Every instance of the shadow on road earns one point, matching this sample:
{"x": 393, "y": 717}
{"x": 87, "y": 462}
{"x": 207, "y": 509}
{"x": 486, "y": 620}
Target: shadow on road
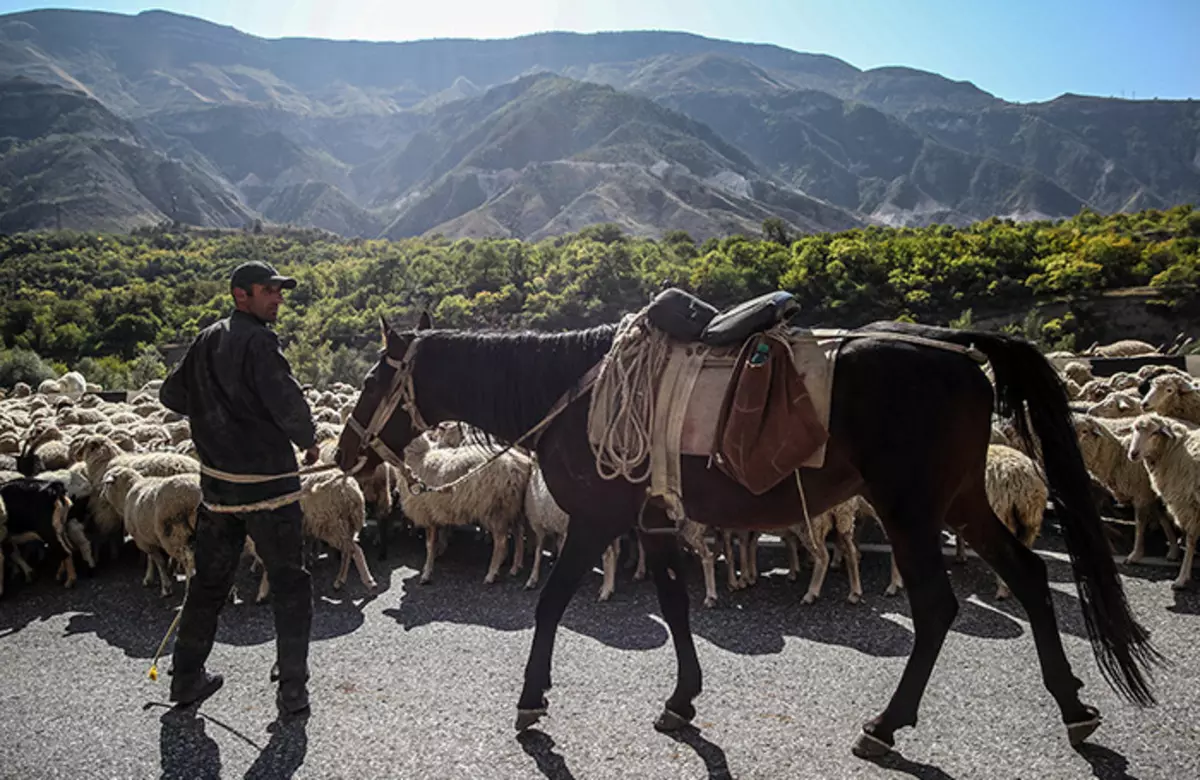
{"x": 186, "y": 751}
{"x": 284, "y": 753}
{"x": 1107, "y": 764}
{"x": 540, "y": 747}
{"x": 899, "y": 763}
{"x": 710, "y": 753}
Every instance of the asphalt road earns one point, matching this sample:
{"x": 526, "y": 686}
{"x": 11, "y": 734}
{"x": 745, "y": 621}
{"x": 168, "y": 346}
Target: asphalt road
{"x": 422, "y": 682}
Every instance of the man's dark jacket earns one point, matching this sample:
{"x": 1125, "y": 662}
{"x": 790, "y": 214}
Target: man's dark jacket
{"x": 245, "y": 408}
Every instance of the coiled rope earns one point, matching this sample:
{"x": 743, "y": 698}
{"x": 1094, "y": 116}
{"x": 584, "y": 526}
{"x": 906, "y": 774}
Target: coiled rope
{"x": 621, "y": 412}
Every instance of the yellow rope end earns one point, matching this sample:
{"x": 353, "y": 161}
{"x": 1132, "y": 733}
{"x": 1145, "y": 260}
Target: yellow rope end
{"x": 153, "y": 675}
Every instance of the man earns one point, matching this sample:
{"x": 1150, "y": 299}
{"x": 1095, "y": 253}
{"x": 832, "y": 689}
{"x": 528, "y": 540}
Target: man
{"x": 246, "y": 410}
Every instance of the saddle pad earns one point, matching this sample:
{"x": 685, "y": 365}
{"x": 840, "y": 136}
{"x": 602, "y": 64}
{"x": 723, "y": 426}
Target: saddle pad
{"x": 813, "y": 357}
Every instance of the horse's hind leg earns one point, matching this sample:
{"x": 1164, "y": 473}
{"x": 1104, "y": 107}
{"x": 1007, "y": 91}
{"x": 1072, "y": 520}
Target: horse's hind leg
{"x": 585, "y": 541}
{"x": 1025, "y": 574}
{"x": 915, "y": 533}
{"x": 662, "y": 553}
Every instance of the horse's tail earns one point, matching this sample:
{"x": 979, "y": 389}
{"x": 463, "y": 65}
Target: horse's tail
{"x": 1028, "y": 390}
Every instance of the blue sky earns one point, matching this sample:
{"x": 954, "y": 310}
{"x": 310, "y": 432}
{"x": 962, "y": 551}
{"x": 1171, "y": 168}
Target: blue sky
{"x": 1020, "y": 50}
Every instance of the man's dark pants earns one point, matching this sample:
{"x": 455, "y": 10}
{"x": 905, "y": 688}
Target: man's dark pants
{"x": 220, "y": 539}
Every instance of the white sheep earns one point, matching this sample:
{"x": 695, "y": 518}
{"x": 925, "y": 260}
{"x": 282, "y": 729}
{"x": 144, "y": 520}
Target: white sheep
{"x": 493, "y": 497}
{"x": 1119, "y": 403}
{"x": 21, "y": 390}
{"x": 1172, "y": 395}
{"x": 1170, "y": 451}
{"x": 841, "y": 519}
{"x": 160, "y": 514}
{"x": 334, "y": 512}
{"x": 547, "y": 519}
{"x": 1123, "y": 348}
{"x": 1105, "y": 453}
{"x": 1079, "y": 371}
{"x": 50, "y": 387}
{"x": 73, "y": 385}
{"x": 1017, "y": 494}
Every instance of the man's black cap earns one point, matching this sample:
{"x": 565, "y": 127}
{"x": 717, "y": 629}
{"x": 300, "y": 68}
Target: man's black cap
{"x": 258, "y": 272}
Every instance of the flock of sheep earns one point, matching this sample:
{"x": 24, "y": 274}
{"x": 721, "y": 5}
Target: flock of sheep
{"x": 80, "y": 475}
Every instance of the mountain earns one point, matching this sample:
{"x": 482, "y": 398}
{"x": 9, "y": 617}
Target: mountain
{"x": 112, "y": 116}
{"x": 66, "y": 159}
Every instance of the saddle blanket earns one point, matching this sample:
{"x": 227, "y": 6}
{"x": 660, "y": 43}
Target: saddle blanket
{"x": 814, "y": 354}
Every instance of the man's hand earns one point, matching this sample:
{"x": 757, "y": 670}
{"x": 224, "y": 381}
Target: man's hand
{"x": 311, "y": 455}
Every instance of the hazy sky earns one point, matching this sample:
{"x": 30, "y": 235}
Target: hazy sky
{"x": 1017, "y": 49}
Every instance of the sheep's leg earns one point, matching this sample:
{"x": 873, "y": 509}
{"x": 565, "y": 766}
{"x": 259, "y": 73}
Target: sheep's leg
{"x": 793, "y": 553}
{"x": 430, "y": 554}
{"x": 896, "y": 583}
{"x": 845, "y": 543}
{"x": 820, "y": 556}
{"x": 1189, "y": 553}
{"x": 19, "y": 559}
{"x": 79, "y": 538}
{"x": 744, "y": 557}
{"x": 360, "y": 563}
{"x": 735, "y": 582}
{"x": 343, "y": 569}
{"x": 148, "y": 578}
{"x": 69, "y": 565}
{"x": 835, "y": 560}
{"x": 609, "y": 562}
{"x": 535, "y": 572}
{"x": 518, "y": 548}
{"x": 639, "y": 573}
{"x": 960, "y": 552}
{"x": 693, "y": 534}
{"x": 165, "y": 580}
{"x": 1141, "y": 522}
{"x": 1168, "y": 527}
{"x": 264, "y": 587}
{"x": 499, "y": 551}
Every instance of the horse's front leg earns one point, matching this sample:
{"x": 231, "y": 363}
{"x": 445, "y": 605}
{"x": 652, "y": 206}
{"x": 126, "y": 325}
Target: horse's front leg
{"x": 662, "y": 554}
{"x": 586, "y": 539}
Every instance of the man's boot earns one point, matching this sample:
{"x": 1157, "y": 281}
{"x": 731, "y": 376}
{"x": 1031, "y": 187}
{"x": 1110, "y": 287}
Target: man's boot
{"x": 193, "y": 688}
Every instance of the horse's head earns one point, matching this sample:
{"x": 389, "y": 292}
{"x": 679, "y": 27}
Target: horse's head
{"x": 379, "y": 416}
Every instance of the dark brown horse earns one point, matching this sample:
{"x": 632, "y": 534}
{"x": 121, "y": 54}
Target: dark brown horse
{"x": 909, "y": 431}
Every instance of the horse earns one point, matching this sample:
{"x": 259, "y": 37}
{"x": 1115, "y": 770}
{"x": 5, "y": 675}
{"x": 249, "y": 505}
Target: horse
{"x": 908, "y": 430}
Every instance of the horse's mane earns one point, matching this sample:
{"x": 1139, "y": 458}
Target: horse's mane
{"x": 506, "y": 381}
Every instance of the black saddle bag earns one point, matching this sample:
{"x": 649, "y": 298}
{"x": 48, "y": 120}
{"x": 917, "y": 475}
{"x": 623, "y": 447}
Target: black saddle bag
{"x": 680, "y": 314}
{"x": 744, "y": 320}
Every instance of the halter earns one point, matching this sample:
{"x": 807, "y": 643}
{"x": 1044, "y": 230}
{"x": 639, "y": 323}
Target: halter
{"x": 401, "y": 392}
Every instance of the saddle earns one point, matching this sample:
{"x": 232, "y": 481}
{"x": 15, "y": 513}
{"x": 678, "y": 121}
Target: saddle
{"x": 738, "y": 387}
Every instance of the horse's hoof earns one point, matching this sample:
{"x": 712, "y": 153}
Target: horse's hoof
{"x": 670, "y": 721}
{"x": 870, "y": 746}
{"x": 527, "y": 718}
{"x": 1078, "y": 732}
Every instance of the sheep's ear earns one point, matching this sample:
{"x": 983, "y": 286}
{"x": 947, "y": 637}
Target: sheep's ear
{"x": 426, "y": 321}
{"x": 1177, "y": 430}
{"x": 1123, "y": 405}
{"x": 1187, "y": 387}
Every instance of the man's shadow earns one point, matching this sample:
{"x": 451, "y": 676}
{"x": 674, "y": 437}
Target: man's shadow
{"x": 188, "y": 753}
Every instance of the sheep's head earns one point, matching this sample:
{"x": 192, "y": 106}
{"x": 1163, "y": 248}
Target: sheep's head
{"x": 1079, "y": 371}
{"x": 1163, "y": 391}
{"x": 117, "y": 483}
{"x": 1115, "y": 405}
{"x": 1153, "y": 434}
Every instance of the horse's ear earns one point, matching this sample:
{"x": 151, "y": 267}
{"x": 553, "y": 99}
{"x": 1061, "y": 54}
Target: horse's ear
{"x": 384, "y": 329}
{"x": 426, "y": 321}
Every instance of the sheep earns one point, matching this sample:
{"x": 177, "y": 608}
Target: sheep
{"x": 1121, "y": 403}
{"x": 100, "y": 453}
{"x": 334, "y": 512}
{"x": 1095, "y": 390}
{"x": 1079, "y": 371}
{"x": 1173, "y": 396}
{"x": 50, "y": 387}
{"x": 1017, "y": 494}
{"x": 160, "y": 514}
{"x": 93, "y": 388}
{"x": 79, "y": 490}
{"x": 999, "y": 436}
{"x": 547, "y": 518}
{"x": 37, "y": 510}
{"x": 493, "y": 497}
{"x": 1123, "y": 348}
{"x": 1105, "y": 455}
{"x": 327, "y": 415}
{"x": 83, "y": 416}
{"x": 1170, "y": 451}
{"x": 840, "y": 518}
{"x": 73, "y": 385}
{"x": 178, "y": 432}
{"x": 22, "y": 390}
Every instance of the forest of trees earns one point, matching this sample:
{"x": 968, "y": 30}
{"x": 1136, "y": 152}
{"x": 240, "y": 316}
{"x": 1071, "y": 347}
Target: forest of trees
{"x": 104, "y": 303}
